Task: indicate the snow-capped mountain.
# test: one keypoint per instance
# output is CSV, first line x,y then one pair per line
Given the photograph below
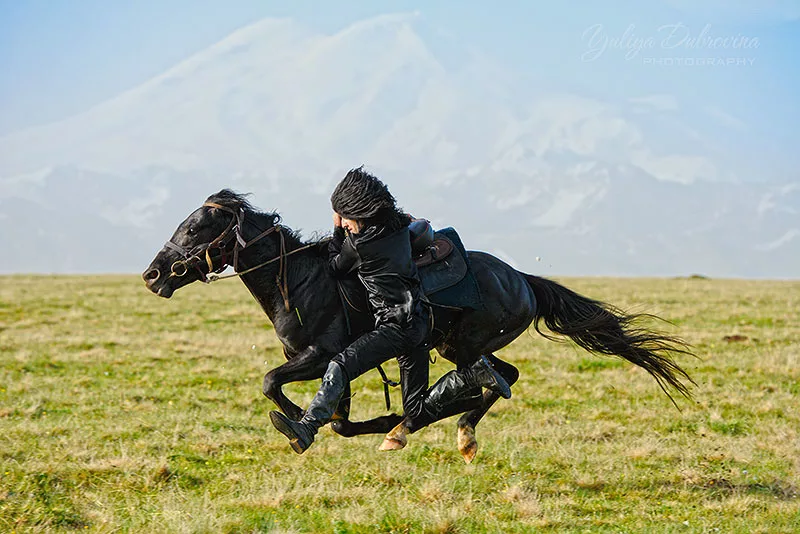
x,y
518,167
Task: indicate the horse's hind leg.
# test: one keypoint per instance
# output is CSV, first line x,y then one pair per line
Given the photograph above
x,y
467,444
511,375
477,406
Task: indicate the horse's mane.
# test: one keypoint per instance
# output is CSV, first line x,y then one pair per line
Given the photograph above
x,y
232,199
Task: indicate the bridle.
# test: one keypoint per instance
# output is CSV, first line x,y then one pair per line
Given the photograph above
x,y
194,258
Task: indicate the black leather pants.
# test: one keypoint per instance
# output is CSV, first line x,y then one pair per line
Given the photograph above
x,y
387,341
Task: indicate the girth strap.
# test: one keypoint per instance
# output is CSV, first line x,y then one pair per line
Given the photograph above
x,y
386,384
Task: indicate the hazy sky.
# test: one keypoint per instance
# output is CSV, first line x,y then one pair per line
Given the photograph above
x,y
683,93
60,57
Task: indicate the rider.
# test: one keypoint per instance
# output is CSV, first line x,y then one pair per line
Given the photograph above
x,y
371,238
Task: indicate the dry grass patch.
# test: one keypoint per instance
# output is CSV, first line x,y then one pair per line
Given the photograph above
x,y
120,411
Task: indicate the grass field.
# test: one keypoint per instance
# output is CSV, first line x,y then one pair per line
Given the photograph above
x,y
120,411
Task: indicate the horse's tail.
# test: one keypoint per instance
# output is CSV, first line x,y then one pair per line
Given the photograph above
x,y
603,329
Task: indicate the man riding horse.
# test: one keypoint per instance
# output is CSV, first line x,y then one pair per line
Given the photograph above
x,y
371,241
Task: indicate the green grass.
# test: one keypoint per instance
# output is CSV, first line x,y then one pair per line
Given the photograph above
x,y
120,411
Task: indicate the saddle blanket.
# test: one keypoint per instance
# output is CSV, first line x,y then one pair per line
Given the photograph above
x,y
449,281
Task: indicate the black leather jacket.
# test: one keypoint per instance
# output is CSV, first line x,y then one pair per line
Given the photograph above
x,y
382,258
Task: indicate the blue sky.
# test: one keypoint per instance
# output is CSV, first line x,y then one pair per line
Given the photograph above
x,y
60,57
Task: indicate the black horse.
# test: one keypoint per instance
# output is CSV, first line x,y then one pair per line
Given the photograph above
x,y
290,279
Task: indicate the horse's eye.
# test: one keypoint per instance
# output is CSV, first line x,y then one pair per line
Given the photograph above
x,y
191,230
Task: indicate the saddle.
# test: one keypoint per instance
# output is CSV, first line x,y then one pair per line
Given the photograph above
x,y
426,247
445,277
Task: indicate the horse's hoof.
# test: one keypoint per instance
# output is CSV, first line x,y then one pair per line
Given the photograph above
x,y
396,439
392,444
467,445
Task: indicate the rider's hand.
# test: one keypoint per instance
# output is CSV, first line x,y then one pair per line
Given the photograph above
x,y
337,220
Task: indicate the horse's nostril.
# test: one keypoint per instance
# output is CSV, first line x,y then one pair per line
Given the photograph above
x,y
151,275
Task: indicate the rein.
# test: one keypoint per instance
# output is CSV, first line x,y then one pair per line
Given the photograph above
x,y
193,258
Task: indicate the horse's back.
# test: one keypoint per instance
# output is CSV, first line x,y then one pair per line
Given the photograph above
x,y
509,306
499,280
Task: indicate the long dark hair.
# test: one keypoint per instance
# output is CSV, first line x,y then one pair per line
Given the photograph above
x,y
362,197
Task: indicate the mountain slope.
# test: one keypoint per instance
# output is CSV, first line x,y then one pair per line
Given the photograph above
x,y
592,186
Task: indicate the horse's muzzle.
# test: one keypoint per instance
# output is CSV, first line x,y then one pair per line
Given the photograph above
x,y
157,283
151,276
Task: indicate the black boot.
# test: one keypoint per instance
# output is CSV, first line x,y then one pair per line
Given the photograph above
x,y
464,385
484,375
320,410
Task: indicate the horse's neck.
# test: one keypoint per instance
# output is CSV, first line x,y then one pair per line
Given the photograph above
x,y
263,281
263,288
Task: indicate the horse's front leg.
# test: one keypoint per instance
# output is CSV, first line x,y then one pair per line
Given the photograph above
x,y
309,364
342,425
379,425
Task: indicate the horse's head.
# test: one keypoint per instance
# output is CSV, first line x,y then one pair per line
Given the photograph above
x,y
203,243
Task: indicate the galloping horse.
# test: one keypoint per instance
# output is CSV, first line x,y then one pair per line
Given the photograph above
x,y
291,281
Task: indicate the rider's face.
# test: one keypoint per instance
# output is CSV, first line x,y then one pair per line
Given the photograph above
x,y
351,225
